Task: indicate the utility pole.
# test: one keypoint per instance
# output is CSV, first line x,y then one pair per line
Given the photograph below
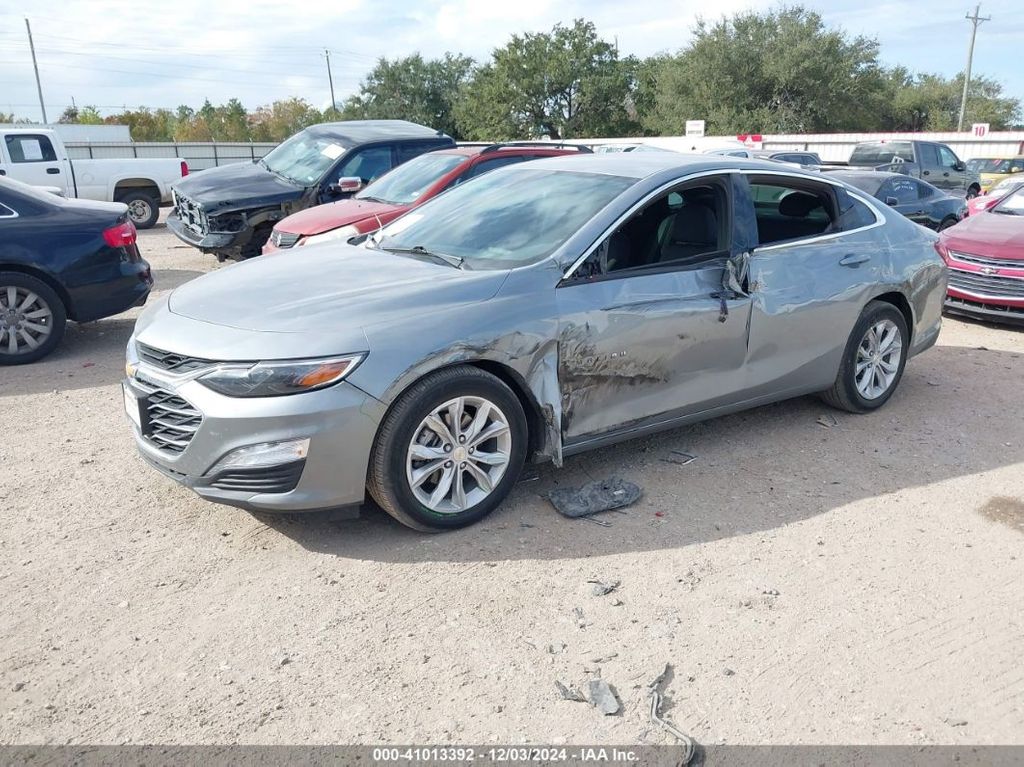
x,y
35,66
330,79
975,21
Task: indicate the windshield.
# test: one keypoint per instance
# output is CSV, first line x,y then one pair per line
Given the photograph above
x,y
1011,165
1006,186
505,218
976,165
882,154
407,182
304,158
1012,204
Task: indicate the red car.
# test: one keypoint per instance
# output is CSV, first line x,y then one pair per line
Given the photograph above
x,y
995,194
985,256
405,187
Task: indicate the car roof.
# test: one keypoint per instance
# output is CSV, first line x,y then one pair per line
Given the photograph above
x,y
364,131
644,164
472,150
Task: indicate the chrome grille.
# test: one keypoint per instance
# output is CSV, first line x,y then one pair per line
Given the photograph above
x,y
171,361
998,263
171,421
283,239
190,214
992,285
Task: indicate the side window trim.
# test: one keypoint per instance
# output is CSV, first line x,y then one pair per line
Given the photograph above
x,y
723,174
45,147
7,211
854,193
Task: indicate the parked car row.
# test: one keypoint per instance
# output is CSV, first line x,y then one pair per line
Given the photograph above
x,y
531,312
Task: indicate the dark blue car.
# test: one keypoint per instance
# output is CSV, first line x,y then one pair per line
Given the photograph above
x,y
62,260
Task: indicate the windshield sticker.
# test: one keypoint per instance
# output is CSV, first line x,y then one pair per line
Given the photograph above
x,y
333,151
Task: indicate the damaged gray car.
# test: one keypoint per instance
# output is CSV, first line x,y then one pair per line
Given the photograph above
x,y
531,314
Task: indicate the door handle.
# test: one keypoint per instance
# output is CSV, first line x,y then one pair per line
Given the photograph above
x,y
854,259
946,174
53,171
926,173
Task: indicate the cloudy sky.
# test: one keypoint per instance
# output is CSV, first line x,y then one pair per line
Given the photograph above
x,y
115,54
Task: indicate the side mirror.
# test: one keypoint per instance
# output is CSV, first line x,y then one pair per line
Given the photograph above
x,y
346,185
892,201
960,166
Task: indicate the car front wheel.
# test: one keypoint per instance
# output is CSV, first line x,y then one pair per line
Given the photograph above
x,y
873,360
449,451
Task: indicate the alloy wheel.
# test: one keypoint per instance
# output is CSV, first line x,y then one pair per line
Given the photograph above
x,y
878,359
26,320
458,454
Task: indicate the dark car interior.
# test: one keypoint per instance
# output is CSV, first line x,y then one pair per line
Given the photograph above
x,y
788,212
682,228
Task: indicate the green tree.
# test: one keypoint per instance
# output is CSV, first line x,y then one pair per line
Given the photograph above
x,y
282,119
930,102
777,72
69,115
412,88
566,83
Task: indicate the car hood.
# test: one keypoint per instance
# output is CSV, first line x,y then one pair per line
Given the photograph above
x,y
990,234
326,287
236,187
324,218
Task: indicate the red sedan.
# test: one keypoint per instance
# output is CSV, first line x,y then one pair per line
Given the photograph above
x,y
995,194
405,187
985,256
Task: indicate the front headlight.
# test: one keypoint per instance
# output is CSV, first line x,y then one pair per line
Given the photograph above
x,y
341,233
275,379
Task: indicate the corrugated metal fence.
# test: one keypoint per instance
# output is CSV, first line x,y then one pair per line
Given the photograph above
x,y
198,155
830,146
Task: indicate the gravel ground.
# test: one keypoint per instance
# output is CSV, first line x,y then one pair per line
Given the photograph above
x,y
858,582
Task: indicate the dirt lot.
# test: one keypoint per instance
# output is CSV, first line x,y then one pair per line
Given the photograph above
x,y
852,583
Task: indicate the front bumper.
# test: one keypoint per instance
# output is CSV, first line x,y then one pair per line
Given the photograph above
x,y
215,241
340,423
985,310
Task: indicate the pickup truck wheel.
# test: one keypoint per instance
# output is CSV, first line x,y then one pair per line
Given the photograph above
x,y
143,210
32,318
973,191
946,223
254,247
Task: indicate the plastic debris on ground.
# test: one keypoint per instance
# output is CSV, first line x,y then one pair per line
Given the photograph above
x,y
594,497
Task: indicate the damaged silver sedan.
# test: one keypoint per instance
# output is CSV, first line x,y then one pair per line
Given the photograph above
x,y
533,313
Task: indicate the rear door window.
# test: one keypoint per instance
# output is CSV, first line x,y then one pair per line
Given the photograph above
x,y
791,210
903,190
929,156
26,147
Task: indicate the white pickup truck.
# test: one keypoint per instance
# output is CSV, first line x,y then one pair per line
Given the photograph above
x,y
37,156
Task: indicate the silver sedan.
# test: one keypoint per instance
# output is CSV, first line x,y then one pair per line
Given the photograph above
x,y
536,312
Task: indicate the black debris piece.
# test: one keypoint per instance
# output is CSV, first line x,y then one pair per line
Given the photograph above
x,y
595,497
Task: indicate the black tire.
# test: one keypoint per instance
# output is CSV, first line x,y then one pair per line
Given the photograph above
x,y
387,479
46,296
143,209
844,394
973,191
254,247
946,223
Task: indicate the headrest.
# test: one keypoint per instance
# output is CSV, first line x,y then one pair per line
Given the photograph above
x,y
695,223
798,204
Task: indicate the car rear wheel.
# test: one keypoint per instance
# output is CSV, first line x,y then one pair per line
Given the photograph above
x,y
143,210
873,360
32,318
449,451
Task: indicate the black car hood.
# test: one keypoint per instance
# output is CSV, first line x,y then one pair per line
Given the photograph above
x,y
240,186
